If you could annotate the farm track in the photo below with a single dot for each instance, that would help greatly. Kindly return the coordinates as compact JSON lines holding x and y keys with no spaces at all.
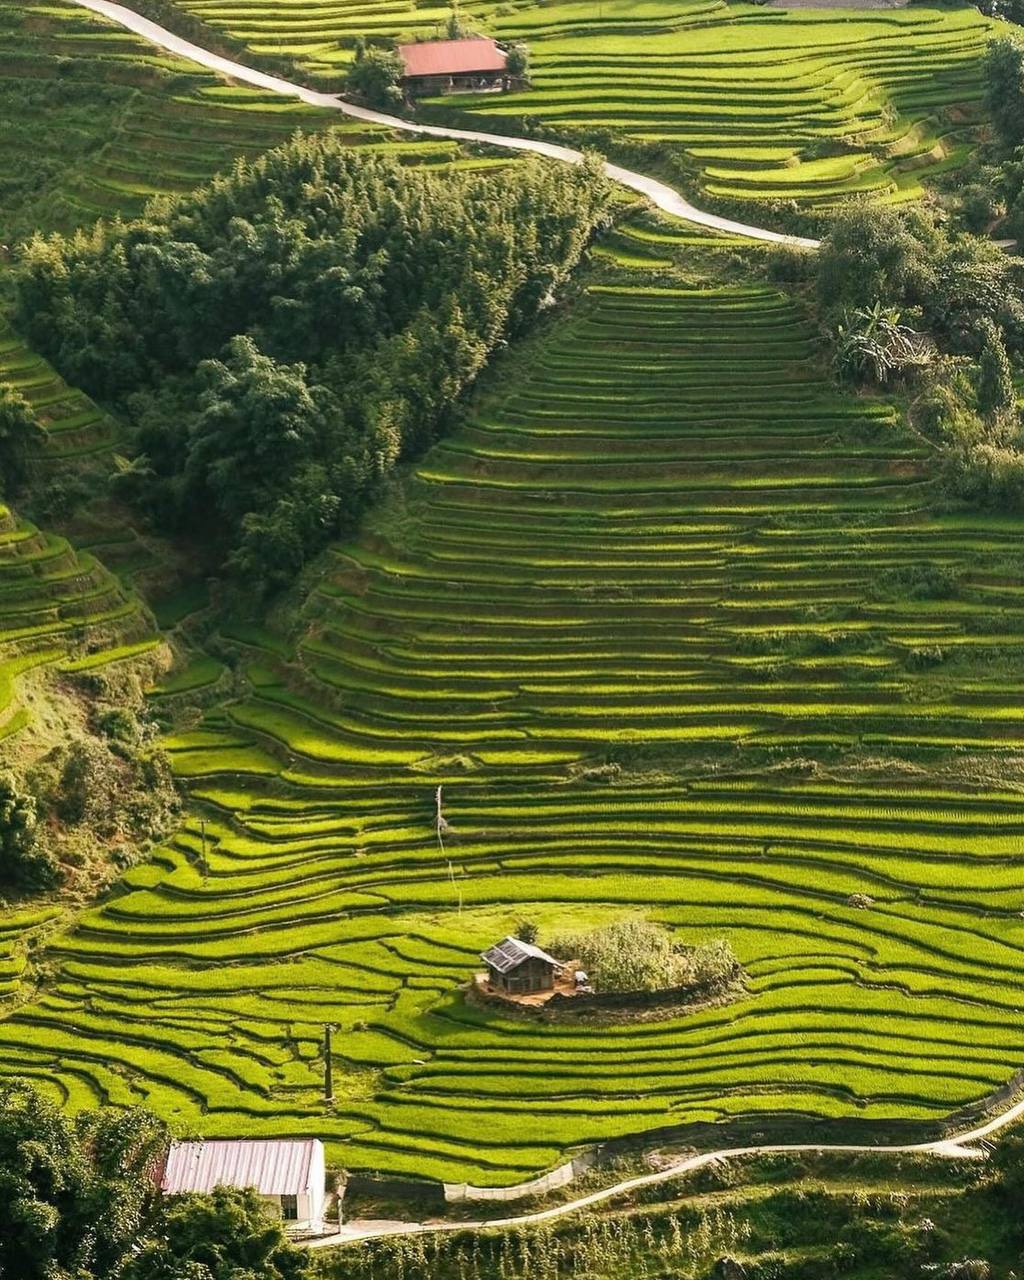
{"x":956,"y":1148}
{"x":664,"y":197}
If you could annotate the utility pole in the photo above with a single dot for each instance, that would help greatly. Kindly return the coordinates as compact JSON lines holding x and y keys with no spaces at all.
{"x":328,"y":1065}
{"x":205,"y":868}
{"x":441,"y":822}
{"x":443,"y":828}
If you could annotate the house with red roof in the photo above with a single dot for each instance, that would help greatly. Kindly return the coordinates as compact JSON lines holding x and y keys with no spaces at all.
{"x":475,"y":64}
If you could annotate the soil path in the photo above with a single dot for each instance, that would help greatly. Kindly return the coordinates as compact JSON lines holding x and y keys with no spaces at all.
{"x":660,"y":194}
{"x":963,"y":1146}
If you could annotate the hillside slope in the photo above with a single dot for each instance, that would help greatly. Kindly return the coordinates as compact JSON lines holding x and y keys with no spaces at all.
{"x":679,"y":630}
{"x":751,"y":103}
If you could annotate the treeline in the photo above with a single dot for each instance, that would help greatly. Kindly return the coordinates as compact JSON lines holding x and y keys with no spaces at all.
{"x":79,"y":1202}
{"x":928,"y":300}
{"x":281,"y":338}
{"x":913,"y":303}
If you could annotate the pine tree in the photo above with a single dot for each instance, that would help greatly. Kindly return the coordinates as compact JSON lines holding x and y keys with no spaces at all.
{"x":996,"y":392}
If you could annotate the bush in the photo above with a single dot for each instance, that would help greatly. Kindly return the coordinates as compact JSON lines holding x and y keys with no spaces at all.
{"x":225,"y":1235}
{"x":527,"y":931}
{"x":636,"y":955}
{"x":23,"y":863}
{"x":873,"y":345}
{"x":518,"y":61}
{"x":375,"y":77}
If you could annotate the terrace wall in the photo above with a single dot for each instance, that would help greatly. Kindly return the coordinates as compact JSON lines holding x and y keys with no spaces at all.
{"x":561,"y":1005}
{"x":560,"y":1177}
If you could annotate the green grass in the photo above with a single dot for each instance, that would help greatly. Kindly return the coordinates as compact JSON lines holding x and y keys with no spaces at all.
{"x":661,"y":551}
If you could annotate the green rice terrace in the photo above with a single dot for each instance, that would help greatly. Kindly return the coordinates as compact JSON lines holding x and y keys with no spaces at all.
{"x":97,"y":121}
{"x":648,"y":616}
{"x":747,"y":101}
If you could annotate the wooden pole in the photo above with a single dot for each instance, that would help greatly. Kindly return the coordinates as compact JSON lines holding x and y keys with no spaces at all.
{"x":328,"y":1065}
{"x":441,"y":822}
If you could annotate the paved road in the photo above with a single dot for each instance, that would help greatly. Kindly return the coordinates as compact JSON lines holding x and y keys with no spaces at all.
{"x":659,"y":193}
{"x":961,"y":1147}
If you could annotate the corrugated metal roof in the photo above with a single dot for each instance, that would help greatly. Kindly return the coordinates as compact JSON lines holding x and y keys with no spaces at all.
{"x":451,"y":57}
{"x":511,"y":952}
{"x":273,"y":1168}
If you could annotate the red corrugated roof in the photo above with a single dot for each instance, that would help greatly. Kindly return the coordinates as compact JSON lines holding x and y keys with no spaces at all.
{"x":273,"y":1168}
{"x":451,"y":57}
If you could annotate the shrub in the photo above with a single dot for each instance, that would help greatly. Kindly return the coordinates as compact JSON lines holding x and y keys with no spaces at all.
{"x":227,"y":1234}
{"x":518,"y":61}
{"x":527,"y":931}
{"x":375,"y":77}
{"x":995,"y":389}
{"x":23,"y":863}
{"x":635,"y":955}
{"x":873,"y":345}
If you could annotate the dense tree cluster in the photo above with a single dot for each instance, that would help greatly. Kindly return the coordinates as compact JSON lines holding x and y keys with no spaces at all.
{"x":225,"y":1235}
{"x":375,"y":76}
{"x":23,"y":863}
{"x":78,"y":1202}
{"x":951,"y":284}
{"x":1004,"y":89}
{"x":282,"y":337}
{"x":20,"y":436}
{"x":911,"y":300}
{"x":75,"y":1192}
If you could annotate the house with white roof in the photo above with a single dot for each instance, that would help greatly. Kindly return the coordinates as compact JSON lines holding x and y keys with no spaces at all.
{"x":289,"y":1175}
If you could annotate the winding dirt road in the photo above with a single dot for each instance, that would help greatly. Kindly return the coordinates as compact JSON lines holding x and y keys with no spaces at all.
{"x":660,"y":194}
{"x":961,"y":1147}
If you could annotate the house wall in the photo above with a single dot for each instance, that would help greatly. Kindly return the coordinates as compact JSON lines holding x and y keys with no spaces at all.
{"x":317,"y":1185}
{"x":436,"y":85}
{"x":309,"y":1204}
{"x":531,"y":975}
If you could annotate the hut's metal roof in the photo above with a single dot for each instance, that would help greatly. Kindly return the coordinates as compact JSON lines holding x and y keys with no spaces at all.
{"x":273,"y":1168}
{"x":511,"y":953}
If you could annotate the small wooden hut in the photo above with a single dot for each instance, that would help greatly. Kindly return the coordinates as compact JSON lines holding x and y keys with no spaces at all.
{"x":519,"y":968}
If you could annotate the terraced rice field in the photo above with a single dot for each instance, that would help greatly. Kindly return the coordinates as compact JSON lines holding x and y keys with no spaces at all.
{"x":75,"y":427}
{"x":96,"y":121}
{"x":646,"y":618}
{"x":58,"y":606}
{"x":756,"y":103}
